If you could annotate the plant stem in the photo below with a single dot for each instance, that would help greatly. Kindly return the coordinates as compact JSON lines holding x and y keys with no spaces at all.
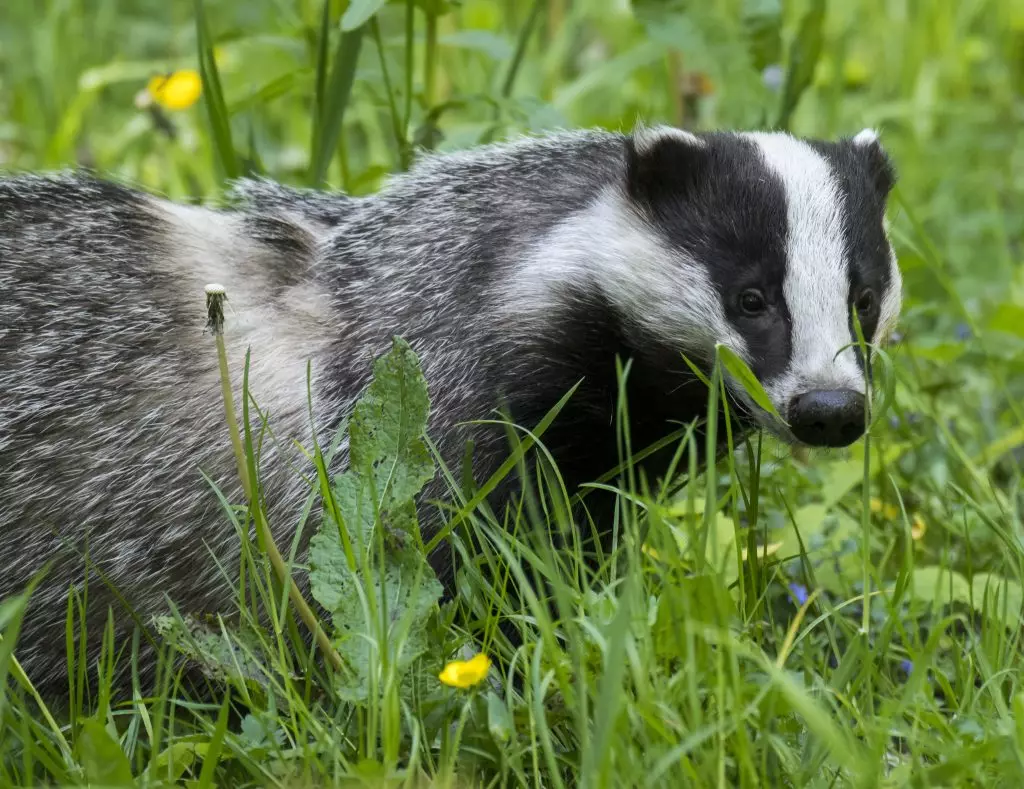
{"x":521,"y":43}
{"x":430,"y":63}
{"x":215,"y":309}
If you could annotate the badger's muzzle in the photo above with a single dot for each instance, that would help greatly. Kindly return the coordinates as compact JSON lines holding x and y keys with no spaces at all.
{"x":827,"y":417}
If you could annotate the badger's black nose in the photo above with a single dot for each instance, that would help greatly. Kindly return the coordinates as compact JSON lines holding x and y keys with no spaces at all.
{"x":827,"y":417}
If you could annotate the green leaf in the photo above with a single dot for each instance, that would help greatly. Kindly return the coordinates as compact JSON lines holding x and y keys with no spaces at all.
{"x":740,"y":372}
{"x":216,"y":745}
{"x":172,"y":762}
{"x":213,"y":98}
{"x":497,"y":47}
{"x":101,"y":757}
{"x":221,"y":656}
{"x":332,"y":97}
{"x":1008,"y":318}
{"x":12,"y":612}
{"x":389,"y":464}
{"x":387,"y":428}
{"x":999,"y":599}
{"x":804,"y":53}
{"x":499,"y":719}
{"x":405,"y":586}
{"x":762,"y":24}
{"x":359,"y":12}
{"x":939,"y":586}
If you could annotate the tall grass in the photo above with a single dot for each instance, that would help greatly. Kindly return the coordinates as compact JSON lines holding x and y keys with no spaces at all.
{"x":848,"y":619}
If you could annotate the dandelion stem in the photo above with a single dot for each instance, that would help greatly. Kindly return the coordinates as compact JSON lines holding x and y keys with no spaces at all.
{"x":215,"y":297}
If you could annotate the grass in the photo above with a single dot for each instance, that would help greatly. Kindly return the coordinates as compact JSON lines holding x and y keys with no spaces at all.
{"x":874,"y":642}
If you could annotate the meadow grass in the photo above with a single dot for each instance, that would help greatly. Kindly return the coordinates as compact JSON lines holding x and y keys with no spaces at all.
{"x":840,"y":619}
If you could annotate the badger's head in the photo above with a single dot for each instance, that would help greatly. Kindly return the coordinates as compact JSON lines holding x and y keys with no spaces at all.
{"x":768,"y":244}
{"x":760,"y":241}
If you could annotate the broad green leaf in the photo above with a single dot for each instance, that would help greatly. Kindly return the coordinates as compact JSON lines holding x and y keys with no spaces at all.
{"x":405,"y":586}
{"x":387,"y":428}
{"x":211,"y":649}
{"x":1008,"y":318}
{"x":804,"y":52}
{"x":999,"y":599}
{"x":499,"y":720}
{"x":497,"y":47}
{"x":940,"y":586}
{"x":762,"y":24}
{"x":389,"y":464}
{"x":172,"y":762}
{"x":358,"y":12}
{"x":739,"y":370}
{"x":101,"y":757}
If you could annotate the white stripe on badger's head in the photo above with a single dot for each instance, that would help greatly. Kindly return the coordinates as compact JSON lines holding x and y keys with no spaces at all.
{"x":832,"y":257}
{"x":817,"y":281}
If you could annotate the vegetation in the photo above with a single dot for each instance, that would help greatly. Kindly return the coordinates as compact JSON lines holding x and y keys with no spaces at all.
{"x":847,"y":619}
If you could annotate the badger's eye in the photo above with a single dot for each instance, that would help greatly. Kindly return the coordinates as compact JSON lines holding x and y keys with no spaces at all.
{"x":752,"y":302}
{"x":865,"y":303}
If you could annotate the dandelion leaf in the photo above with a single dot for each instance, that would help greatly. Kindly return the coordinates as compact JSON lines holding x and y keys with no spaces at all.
{"x":381,"y":598}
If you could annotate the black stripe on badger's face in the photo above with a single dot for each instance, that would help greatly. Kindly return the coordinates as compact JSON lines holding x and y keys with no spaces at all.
{"x":791,"y":236}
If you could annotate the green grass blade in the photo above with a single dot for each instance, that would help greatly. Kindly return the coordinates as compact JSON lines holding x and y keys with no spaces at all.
{"x":804,"y":53}
{"x":213,"y":97}
{"x":335,"y":101}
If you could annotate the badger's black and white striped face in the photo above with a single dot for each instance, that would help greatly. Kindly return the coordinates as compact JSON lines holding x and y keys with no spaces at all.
{"x":768,"y":244}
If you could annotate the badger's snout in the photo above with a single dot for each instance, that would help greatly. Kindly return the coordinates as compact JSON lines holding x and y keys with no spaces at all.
{"x":827,"y":417}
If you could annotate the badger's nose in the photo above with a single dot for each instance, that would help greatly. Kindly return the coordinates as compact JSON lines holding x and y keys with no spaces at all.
{"x":827,"y":417}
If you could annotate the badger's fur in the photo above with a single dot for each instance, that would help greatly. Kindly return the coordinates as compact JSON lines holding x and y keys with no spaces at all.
{"x":515,"y":270}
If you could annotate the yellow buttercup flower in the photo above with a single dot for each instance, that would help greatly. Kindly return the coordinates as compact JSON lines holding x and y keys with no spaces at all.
{"x":466,"y":673}
{"x":887,"y":511}
{"x":178,"y":90}
{"x":918,"y":527}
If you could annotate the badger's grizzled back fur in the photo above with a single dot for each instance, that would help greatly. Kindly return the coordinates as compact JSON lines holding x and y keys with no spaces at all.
{"x":514,"y":270}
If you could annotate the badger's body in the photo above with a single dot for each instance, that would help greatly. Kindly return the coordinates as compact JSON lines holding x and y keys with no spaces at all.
{"x":514,"y":270}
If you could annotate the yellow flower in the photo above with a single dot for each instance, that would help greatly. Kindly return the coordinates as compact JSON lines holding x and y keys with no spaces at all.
{"x":178,"y":90}
{"x":466,"y":673}
{"x":918,"y":527}
{"x":888,"y":511}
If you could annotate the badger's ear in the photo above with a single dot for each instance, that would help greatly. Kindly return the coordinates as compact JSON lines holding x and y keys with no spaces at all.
{"x":880,"y":167}
{"x":663,"y":163}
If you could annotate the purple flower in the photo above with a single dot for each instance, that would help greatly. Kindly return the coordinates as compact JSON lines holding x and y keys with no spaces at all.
{"x":907,"y":666}
{"x":799,"y":592}
{"x":963,"y":332}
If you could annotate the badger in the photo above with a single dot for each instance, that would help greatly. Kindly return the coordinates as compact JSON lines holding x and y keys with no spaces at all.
{"x":516,"y":271}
